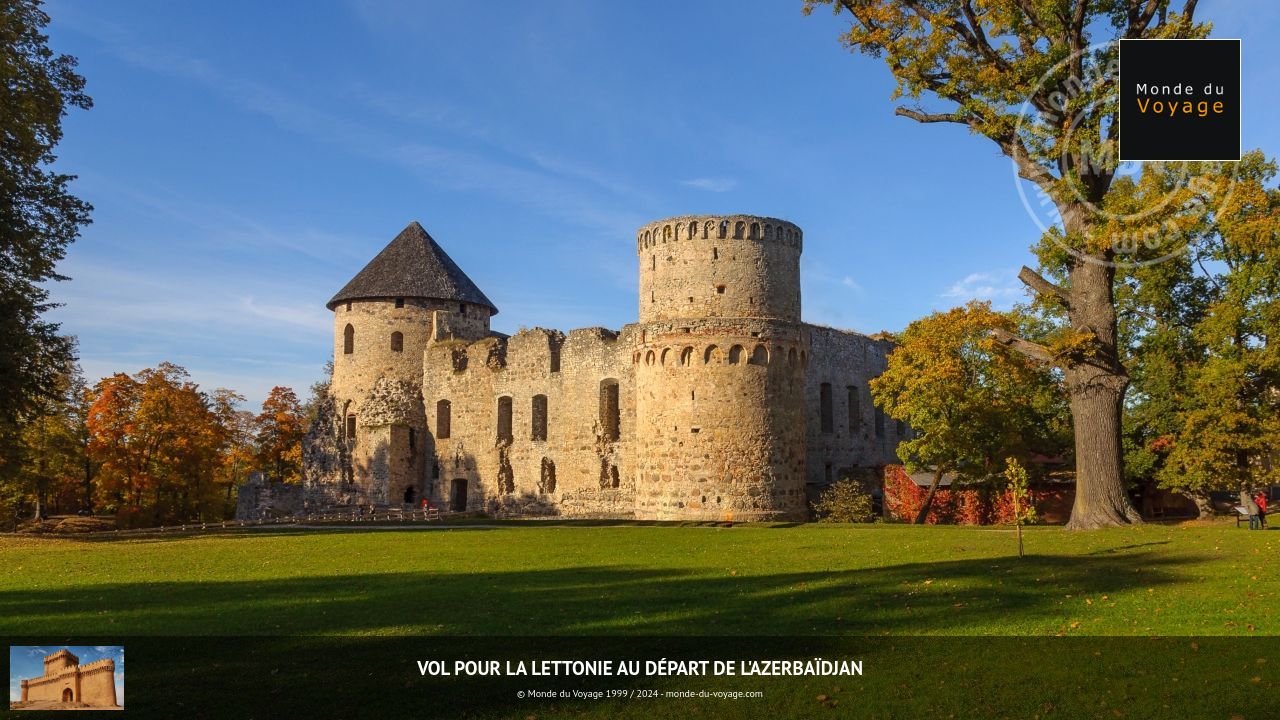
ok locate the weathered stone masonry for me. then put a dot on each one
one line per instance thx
(720, 403)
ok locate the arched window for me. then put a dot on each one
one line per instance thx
(666, 355)
(724, 228)
(791, 357)
(648, 358)
(348, 340)
(759, 355)
(351, 428)
(504, 418)
(609, 410)
(444, 419)
(397, 341)
(855, 410)
(824, 403)
(712, 356)
(738, 228)
(735, 355)
(686, 356)
(555, 357)
(693, 230)
(755, 231)
(539, 430)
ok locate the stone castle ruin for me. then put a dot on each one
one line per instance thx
(68, 683)
(719, 403)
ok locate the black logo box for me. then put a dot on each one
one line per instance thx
(1189, 67)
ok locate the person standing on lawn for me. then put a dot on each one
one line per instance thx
(1251, 508)
(1261, 501)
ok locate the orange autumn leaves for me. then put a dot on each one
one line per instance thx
(168, 451)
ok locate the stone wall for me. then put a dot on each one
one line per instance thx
(855, 433)
(377, 409)
(258, 498)
(497, 457)
(720, 419)
(90, 684)
(719, 266)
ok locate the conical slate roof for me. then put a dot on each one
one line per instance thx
(412, 265)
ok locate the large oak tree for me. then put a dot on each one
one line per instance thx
(1033, 77)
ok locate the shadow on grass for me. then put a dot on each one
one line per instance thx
(963, 596)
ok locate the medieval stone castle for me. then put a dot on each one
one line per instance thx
(720, 403)
(67, 683)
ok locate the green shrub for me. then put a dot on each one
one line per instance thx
(844, 501)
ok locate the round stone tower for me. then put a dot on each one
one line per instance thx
(410, 295)
(720, 365)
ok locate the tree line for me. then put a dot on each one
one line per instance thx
(149, 448)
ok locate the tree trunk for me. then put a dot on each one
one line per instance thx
(928, 498)
(1204, 505)
(1096, 385)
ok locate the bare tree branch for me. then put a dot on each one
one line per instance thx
(1028, 169)
(1036, 281)
(924, 117)
(1032, 350)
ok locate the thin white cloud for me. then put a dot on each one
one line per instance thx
(852, 284)
(1000, 287)
(711, 184)
(308, 315)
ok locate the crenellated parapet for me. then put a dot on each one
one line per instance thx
(104, 665)
(753, 228)
(729, 266)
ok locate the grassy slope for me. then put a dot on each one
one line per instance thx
(557, 580)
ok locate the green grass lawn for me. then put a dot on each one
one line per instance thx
(338, 618)
(564, 579)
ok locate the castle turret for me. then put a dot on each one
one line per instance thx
(410, 295)
(720, 370)
(59, 661)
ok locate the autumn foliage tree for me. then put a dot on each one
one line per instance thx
(159, 442)
(1032, 77)
(971, 401)
(280, 428)
(1225, 422)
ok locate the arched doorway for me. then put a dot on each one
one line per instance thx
(67, 695)
(409, 495)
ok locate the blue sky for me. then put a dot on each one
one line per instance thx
(245, 159)
(27, 661)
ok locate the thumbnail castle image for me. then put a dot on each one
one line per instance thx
(68, 683)
(720, 403)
